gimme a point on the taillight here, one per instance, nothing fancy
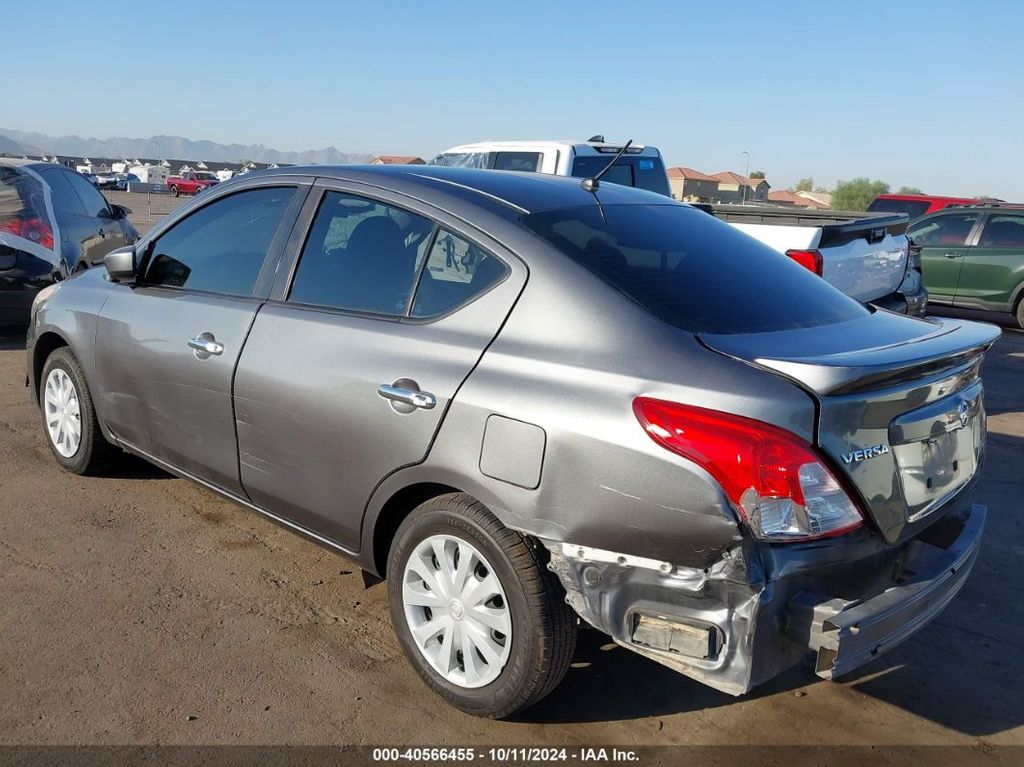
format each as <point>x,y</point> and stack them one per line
<point>914,257</point>
<point>32,229</point>
<point>808,259</point>
<point>775,479</point>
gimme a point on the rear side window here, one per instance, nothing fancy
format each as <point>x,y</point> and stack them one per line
<point>950,229</point>
<point>528,161</point>
<point>913,208</point>
<point>221,247</point>
<point>1003,232</point>
<point>361,255</point>
<point>692,270</point>
<point>94,202</point>
<point>457,272</point>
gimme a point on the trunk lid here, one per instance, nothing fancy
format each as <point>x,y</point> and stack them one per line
<point>900,405</point>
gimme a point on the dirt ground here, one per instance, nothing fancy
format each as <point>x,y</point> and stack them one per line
<point>140,609</point>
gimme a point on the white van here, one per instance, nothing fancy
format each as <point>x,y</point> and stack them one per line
<point>640,166</point>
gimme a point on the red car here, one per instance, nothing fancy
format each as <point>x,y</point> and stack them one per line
<point>191,182</point>
<point>917,205</point>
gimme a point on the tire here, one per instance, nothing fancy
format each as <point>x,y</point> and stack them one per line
<point>1020,313</point>
<point>537,648</point>
<point>92,454</point>
<point>174,190</point>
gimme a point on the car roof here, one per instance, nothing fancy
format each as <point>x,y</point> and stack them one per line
<point>514,192</point>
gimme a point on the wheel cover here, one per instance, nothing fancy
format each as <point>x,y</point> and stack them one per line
<point>457,611</point>
<point>63,413</point>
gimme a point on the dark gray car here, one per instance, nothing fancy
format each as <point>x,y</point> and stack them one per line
<point>524,403</point>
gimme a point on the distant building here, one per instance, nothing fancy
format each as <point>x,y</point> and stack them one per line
<point>691,185</point>
<point>790,199</point>
<point>734,188</point>
<point>397,159</point>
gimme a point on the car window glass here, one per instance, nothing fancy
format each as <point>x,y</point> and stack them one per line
<point>691,269</point>
<point>361,255</point>
<point>63,197</point>
<point>457,272</point>
<point>221,247</point>
<point>528,161</point>
<point>1003,232</point>
<point>94,202</point>
<point>950,229</point>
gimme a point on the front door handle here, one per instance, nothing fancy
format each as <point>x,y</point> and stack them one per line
<point>421,399</point>
<point>953,255</point>
<point>205,345</point>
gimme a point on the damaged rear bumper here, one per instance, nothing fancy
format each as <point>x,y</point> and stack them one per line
<point>848,633</point>
<point>757,612</point>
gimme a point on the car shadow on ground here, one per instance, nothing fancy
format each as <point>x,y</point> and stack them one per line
<point>132,467</point>
<point>12,339</point>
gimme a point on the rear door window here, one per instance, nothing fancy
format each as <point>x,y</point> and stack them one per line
<point>95,203</point>
<point>64,198</point>
<point>949,229</point>
<point>1003,231</point>
<point>361,256</point>
<point>692,270</point>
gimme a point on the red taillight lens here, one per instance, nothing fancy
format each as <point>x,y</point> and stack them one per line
<point>33,229</point>
<point>808,259</point>
<point>775,479</point>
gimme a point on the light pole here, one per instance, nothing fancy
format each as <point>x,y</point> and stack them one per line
<point>746,177</point>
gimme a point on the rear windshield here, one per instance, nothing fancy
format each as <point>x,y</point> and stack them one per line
<point>913,208</point>
<point>692,270</point>
<point>642,172</point>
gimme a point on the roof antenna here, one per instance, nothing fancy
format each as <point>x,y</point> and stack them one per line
<point>591,184</point>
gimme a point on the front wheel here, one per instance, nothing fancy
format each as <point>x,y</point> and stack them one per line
<point>478,614</point>
<point>69,418</point>
<point>1020,314</point>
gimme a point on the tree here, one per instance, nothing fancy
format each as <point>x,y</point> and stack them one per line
<point>857,193</point>
<point>804,184</point>
<point>757,174</point>
<point>909,190</point>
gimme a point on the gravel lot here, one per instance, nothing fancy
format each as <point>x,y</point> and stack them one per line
<point>140,609</point>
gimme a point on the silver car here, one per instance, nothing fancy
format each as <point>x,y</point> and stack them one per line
<point>525,403</point>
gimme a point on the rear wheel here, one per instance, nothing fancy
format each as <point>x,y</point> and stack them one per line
<point>174,190</point>
<point>1020,313</point>
<point>478,614</point>
<point>69,418</point>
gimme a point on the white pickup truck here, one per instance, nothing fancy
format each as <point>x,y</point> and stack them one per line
<point>865,255</point>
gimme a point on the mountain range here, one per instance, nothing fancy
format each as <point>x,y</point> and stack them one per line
<point>161,147</point>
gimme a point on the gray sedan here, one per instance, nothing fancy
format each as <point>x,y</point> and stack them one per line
<point>525,403</point>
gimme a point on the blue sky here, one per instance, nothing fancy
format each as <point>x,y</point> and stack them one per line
<point>921,93</point>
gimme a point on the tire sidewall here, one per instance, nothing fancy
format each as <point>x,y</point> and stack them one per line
<point>515,675</point>
<point>65,360</point>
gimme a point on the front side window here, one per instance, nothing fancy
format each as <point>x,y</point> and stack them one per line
<point>950,229</point>
<point>94,202</point>
<point>457,272</point>
<point>692,270</point>
<point>221,247</point>
<point>527,161</point>
<point>361,256</point>
<point>63,197</point>
<point>1003,232</point>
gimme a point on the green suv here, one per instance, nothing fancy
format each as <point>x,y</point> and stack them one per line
<point>973,257</point>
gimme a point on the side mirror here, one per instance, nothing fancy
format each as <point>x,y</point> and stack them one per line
<point>120,264</point>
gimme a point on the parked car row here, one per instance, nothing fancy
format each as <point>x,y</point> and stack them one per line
<point>669,431</point>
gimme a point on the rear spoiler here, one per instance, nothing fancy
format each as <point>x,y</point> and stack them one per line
<point>948,344</point>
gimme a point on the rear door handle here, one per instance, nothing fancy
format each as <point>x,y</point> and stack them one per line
<point>953,255</point>
<point>205,345</point>
<point>420,399</point>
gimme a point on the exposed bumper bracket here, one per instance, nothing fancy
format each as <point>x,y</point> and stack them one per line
<point>847,634</point>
